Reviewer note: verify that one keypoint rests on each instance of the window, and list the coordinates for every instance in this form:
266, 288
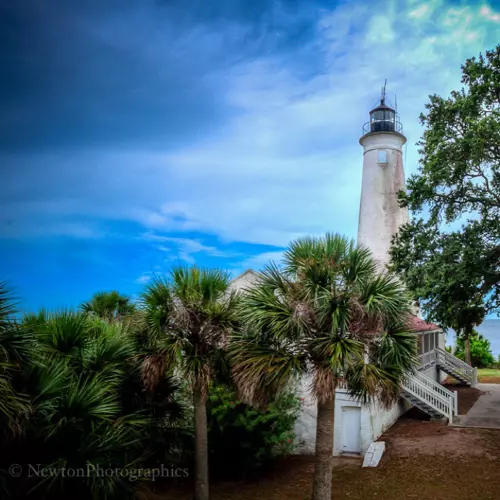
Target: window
437, 339
432, 338
382, 156
426, 343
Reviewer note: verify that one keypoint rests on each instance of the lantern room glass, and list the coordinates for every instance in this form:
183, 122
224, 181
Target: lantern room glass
383, 120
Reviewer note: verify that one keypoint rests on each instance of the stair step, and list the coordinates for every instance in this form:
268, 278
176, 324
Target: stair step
421, 405
456, 375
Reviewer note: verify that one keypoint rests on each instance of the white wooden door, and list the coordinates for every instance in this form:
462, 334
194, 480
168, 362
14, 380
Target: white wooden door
351, 429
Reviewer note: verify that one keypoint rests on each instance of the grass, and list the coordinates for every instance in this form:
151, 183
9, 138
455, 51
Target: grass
488, 375
488, 372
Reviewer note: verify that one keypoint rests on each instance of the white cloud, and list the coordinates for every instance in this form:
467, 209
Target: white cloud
419, 11
380, 30
489, 14
182, 248
144, 278
260, 260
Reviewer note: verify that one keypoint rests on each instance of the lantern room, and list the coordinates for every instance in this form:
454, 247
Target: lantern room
383, 118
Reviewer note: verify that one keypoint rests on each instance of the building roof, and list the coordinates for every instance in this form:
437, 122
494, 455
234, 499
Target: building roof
245, 273
244, 280
417, 325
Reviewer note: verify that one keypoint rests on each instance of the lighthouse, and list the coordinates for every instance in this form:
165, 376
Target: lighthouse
380, 215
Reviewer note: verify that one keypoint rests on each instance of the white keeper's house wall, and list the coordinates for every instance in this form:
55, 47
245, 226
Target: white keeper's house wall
374, 420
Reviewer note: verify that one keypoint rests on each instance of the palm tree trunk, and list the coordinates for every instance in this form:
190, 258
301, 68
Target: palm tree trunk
322, 485
201, 446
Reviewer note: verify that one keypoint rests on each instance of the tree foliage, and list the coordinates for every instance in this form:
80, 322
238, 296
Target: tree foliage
449, 254
251, 437
109, 306
480, 350
15, 350
82, 407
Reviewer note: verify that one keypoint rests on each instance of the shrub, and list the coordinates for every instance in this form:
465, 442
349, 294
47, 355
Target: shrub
88, 410
480, 350
241, 438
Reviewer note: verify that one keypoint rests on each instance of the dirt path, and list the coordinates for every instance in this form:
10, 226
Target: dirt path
423, 461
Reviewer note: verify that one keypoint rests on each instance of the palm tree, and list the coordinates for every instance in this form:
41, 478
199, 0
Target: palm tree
15, 350
326, 315
79, 372
189, 317
109, 306
15, 405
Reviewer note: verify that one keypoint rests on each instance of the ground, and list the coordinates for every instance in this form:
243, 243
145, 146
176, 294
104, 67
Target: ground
467, 396
423, 461
488, 376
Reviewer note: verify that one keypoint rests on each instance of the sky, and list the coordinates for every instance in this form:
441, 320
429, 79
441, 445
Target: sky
136, 135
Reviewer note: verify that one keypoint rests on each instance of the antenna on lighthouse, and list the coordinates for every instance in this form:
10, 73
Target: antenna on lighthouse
382, 97
396, 103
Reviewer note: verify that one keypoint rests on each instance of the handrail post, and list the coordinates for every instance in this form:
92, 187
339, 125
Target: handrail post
455, 398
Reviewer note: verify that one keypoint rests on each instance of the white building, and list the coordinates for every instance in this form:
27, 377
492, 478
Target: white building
358, 425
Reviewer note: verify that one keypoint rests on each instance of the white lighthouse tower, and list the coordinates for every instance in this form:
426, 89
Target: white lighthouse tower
380, 215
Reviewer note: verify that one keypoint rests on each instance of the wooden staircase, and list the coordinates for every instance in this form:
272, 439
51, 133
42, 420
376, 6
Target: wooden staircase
430, 396
456, 368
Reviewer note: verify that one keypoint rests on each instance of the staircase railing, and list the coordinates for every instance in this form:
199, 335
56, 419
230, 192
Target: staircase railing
427, 359
432, 394
456, 365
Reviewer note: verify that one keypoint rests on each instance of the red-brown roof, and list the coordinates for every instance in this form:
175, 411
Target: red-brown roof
416, 324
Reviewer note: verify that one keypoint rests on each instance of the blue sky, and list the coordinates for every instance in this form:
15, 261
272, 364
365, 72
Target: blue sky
139, 134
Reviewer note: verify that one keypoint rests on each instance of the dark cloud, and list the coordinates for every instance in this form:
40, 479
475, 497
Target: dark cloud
79, 74
68, 81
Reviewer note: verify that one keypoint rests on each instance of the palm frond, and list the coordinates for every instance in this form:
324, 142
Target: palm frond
64, 333
335, 351
369, 382
383, 295
275, 304
16, 345
261, 371
192, 285
157, 304
7, 304
396, 349
109, 305
111, 347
